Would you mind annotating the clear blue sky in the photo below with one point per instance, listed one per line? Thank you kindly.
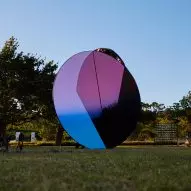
(153, 37)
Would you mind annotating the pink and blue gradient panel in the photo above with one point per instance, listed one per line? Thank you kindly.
(91, 102)
(69, 107)
(99, 82)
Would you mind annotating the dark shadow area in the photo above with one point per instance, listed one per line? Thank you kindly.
(118, 121)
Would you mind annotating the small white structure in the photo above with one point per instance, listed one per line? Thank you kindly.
(17, 136)
(33, 137)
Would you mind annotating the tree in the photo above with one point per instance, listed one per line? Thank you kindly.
(26, 87)
(156, 107)
(185, 103)
(147, 115)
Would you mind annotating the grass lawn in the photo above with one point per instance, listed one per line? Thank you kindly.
(139, 168)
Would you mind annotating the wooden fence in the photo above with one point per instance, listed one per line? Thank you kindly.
(166, 133)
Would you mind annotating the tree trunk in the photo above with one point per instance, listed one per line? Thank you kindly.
(2, 128)
(4, 139)
(59, 135)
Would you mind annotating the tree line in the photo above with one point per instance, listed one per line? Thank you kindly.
(155, 113)
(26, 82)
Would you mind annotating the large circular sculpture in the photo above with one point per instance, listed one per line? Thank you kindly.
(96, 99)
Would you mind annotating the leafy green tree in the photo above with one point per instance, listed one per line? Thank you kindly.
(26, 87)
(185, 103)
(147, 115)
(156, 107)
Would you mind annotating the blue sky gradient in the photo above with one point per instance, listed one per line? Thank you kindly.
(153, 37)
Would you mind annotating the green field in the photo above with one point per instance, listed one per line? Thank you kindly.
(130, 168)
